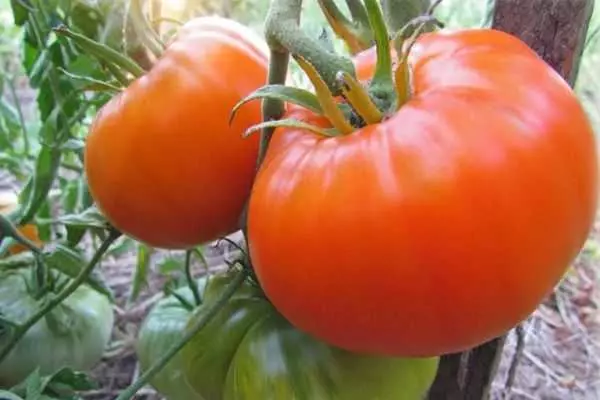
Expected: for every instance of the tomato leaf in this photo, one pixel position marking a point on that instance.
(87, 83)
(4, 395)
(70, 263)
(73, 145)
(20, 9)
(90, 218)
(61, 385)
(297, 96)
(33, 385)
(169, 265)
(47, 164)
(19, 260)
(292, 123)
(67, 379)
(140, 274)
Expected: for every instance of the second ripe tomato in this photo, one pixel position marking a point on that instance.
(162, 161)
(440, 227)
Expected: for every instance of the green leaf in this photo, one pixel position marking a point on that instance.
(19, 260)
(68, 381)
(34, 385)
(70, 195)
(291, 123)
(87, 18)
(70, 263)
(140, 274)
(73, 145)
(4, 395)
(61, 385)
(46, 168)
(297, 96)
(169, 265)
(20, 9)
(32, 64)
(90, 218)
(9, 125)
(9, 113)
(121, 247)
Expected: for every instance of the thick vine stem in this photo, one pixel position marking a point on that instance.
(213, 309)
(283, 34)
(273, 109)
(22, 329)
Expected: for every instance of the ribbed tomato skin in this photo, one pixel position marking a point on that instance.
(162, 161)
(445, 225)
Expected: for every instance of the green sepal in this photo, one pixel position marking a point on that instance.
(289, 94)
(291, 123)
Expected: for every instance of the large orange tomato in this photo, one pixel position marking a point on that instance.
(441, 227)
(163, 164)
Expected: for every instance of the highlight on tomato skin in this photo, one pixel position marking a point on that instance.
(442, 227)
(163, 164)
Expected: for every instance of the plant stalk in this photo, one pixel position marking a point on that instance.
(190, 279)
(273, 109)
(283, 34)
(60, 297)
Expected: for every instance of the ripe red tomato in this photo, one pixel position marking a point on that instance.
(163, 164)
(443, 226)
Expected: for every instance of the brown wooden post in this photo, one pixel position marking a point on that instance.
(556, 30)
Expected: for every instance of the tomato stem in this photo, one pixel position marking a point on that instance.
(273, 109)
(402, 82)
(383, 68)
(359, 99)
(402, 72)
(330, 107)
(211, 312)
(189, 278)
(282, 31)
(22, 329)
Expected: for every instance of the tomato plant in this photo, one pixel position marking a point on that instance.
(249, 351)
(443, 225)
(420, 198)
(162, 163)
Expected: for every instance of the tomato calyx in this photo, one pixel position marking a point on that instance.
(360, 103)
